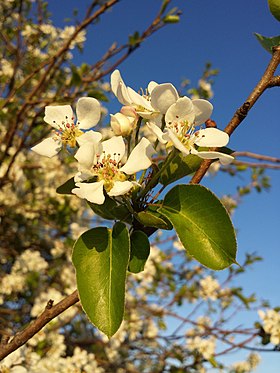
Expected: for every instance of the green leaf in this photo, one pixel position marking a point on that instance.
(134, 39)
(202, 224)
(171, 19)
(75, 79)
(110, 210)
(152, 218)
(100, 257)
(268, 43)
(179, 167)
(67, 187)
(274, 7)
(139, 251)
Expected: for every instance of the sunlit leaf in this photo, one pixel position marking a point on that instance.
(268, 43)
(139, 251)
(202, 224)
(101, 257)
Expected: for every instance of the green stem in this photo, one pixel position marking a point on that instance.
(155, 177)
(128, 145)
(162, 128)
(137, 131)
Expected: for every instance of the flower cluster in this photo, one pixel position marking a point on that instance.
(271, 324)
(110, 167)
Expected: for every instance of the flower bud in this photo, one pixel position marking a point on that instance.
(129, 111)
(122, 125)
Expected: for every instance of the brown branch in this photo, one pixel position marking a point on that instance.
(257, 165)
(50, 312)
(257, 156)
(267, 80)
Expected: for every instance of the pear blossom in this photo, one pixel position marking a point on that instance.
(61, 118)
(103, 163)
(181, 119)
(152, 103)
(124, 122)
(157, 100)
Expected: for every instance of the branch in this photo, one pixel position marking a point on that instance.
(257, 156)
(50, 312)
(267, 80)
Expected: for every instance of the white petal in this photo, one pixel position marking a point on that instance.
(212, 137)
(57, 114)
(224, 158)
(89, 136)
(88, 112)
(163, 96)
(151, 86)
(115, 146)
(140, 157)
(119, 88)
(85, 155)
(48, 147)
(156, 131)
(139, 100)
(176, 142)
(120, 188)
(203, 110)
(182, 110)
(93, 192)
(82, 176)
(148, 114)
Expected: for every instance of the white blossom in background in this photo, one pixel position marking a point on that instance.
(206, 347)
(68, 31)
(271, 324)
(6, 68)
(29, 261)
(67, 132)
(209, 288)
(250, 365)
(207, 87)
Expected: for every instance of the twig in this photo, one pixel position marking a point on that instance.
(257, 156)
(50, 312)
(268, 80)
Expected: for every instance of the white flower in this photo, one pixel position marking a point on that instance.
(181, 119)
(152, 103)
(61, 118)
(103, 161)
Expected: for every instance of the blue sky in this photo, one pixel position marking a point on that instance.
(220, 32)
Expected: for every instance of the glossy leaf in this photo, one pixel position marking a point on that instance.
(110, 210)
(101, 257)
(179, 167)
(268, 43)
(139, 251)
(202, 224)
(152, 218)
(67, 187)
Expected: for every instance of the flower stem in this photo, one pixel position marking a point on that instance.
(137, 131)
(153, 181)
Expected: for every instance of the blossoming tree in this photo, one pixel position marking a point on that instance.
(139, 252)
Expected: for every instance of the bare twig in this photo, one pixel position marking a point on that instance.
(268, 80)
(50, 312)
